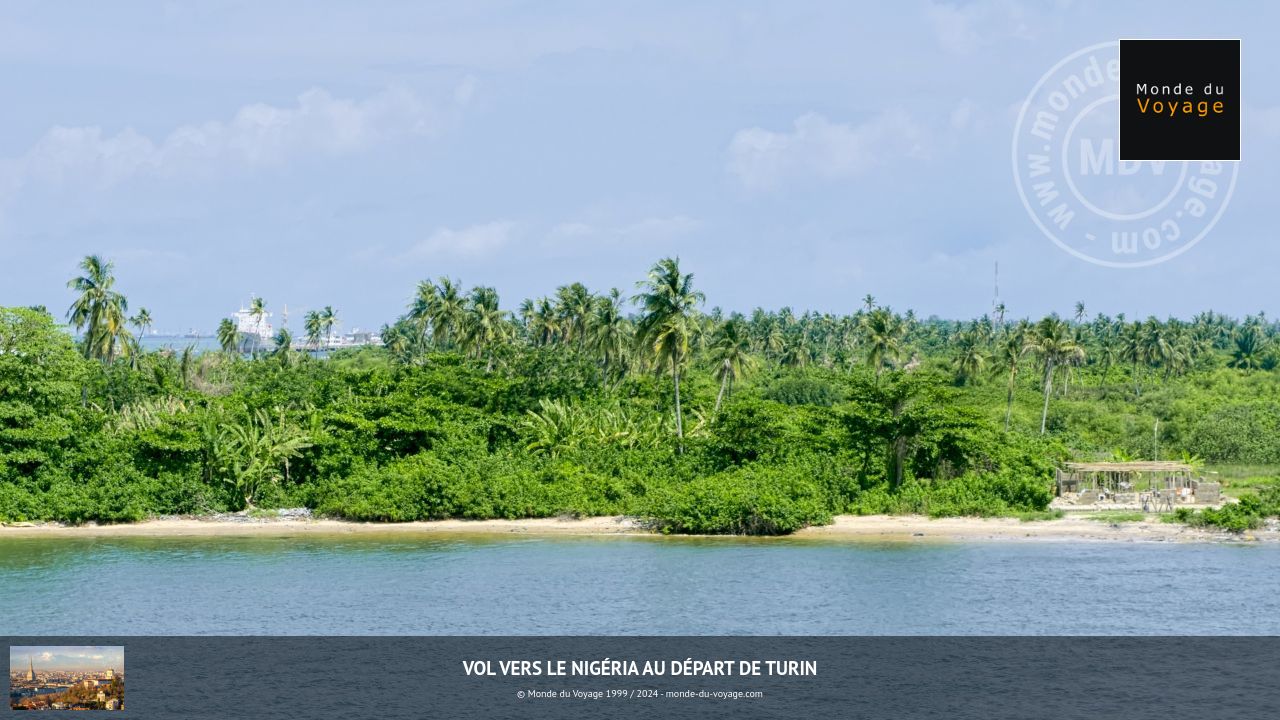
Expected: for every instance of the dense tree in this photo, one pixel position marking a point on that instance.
(313, 326)
(99, 310)
(668, 304)
(142, 321)
(258, 311)
(328, 320)
(730, 356)
(781, 417)
(40, 384)
(882, 336)
(1052, 342)
(228, 336)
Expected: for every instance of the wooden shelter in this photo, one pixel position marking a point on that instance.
(1166, 482)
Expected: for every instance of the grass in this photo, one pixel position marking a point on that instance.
(1239, 480)
(1117, 516)
(1038, 515)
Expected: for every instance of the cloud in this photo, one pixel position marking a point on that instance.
(963, 28)
(476, 241)
(954, 28)
(647, 229)
(257, 135)
(816, 147)
(1263, 121)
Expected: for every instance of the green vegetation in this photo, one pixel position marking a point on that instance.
(1117, 516)
(588, 403)
(1250, 513)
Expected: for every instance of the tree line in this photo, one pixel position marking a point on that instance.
(645, 402)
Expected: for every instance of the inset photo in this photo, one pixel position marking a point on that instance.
(66, 677)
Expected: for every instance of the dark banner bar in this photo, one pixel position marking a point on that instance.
(688, 677)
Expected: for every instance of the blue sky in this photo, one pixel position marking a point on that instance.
(65, 657)
(800, 154)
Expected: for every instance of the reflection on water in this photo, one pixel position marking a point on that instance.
(629, 585)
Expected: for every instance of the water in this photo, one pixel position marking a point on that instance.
(178, 344)
(628, 585)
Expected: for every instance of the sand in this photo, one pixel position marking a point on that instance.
(874, 528)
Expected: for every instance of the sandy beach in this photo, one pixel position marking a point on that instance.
(872, 528)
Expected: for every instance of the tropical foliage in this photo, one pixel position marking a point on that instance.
(584, 402)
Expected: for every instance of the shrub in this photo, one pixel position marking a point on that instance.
(977, 494)
(1248, 514)
(742, 501)
(410, 489)
(805, 391)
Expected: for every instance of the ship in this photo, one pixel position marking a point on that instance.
(254, 328)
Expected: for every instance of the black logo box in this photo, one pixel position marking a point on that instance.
(1186, 67)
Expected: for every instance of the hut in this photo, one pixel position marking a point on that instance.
(1151, 484)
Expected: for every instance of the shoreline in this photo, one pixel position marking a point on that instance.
(850, 528)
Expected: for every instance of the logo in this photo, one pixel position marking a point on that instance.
(1082, 196)
(1180, 100)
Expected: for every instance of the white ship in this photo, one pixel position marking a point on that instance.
(254, 328)
(257, 332)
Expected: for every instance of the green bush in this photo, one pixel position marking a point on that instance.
(1248, 514)
(805, 391)
(742, 501)
(978, 494)
(414, 488)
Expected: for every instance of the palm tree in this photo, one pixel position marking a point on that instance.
(396, 340)
(1134, 349)
(541, 322)
(328, 319)
(970, 360)
(313, 325)
(448, 313)
(1011, 350)
(775, 342)
(185, 363)
(258, 311)
(883, 333)
(485, 324)
(1052, 341)
(574, 304)
(228, 336)
(142, 321)
(608, 330)
(668, 304)
(730, 353)
(283, 350)
(794, 353)
(99, 310)
(1108, 351)
(421, 309)
(1251, 348)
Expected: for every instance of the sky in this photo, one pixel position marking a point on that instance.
(65, 657)
(791, 154)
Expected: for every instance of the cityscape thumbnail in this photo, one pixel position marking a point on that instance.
(66, 677)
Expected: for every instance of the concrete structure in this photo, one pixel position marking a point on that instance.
(1156, 486)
